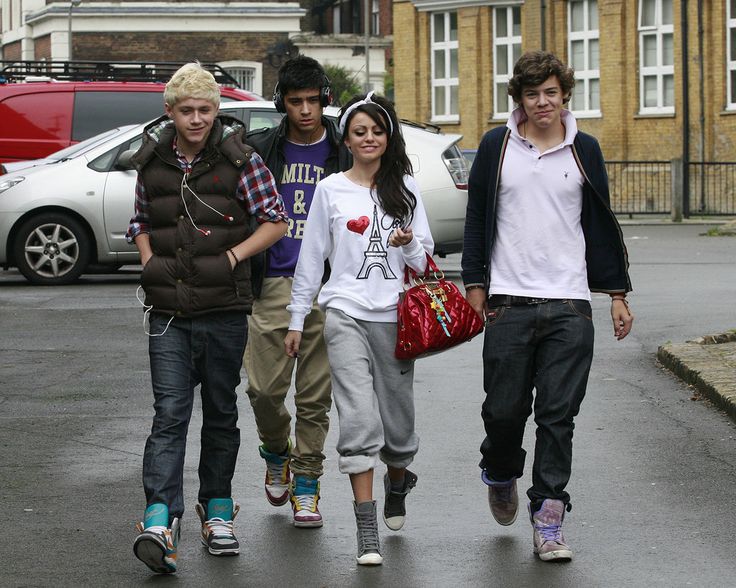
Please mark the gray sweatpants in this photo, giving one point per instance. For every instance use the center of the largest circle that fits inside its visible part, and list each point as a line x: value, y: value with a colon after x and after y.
x: 373, y: 393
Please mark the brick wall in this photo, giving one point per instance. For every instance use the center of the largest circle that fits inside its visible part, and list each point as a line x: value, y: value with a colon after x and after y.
x: 12, y: 51
x: 407, y: 59
x: 42, y: 47
x: 206, y: 47
x: 622, y: 131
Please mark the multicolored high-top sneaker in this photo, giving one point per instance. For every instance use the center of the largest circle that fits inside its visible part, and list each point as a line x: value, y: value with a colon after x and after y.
x: 217, y: 526
x: 304, y: 493
x: 549, y: 543
x: 503, y: 498
x: 156, y: 542
x: 277, y: 475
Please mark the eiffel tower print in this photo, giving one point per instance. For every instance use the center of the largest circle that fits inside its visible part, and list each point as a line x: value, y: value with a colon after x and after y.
x: 375, y: 255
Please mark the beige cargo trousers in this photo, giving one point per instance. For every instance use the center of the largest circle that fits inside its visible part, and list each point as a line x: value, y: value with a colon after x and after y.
x: 270, y: 372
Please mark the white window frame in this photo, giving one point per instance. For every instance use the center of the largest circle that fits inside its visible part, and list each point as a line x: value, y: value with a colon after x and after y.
x: 730, y: 63
x: 509, y: 41
x: 660, y: 71
x: 254, y: 66
x: 587, y: 75
x: 336, y: 11
x: 443, y: 112
x: 375, y: 17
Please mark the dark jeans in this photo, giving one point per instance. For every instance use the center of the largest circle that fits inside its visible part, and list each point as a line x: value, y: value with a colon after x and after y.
x: 205, y: 350
x: 547, y: 347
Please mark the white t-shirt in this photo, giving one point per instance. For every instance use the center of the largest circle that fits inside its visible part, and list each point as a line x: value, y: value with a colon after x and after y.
x: 347, y: 225
x: 539, y: 248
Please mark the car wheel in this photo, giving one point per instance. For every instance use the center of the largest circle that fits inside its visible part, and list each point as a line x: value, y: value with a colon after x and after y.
x: 52, y: 249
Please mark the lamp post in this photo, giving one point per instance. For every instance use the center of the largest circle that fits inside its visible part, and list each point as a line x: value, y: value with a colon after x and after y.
x: 72, y: 4
x: 367, y: 21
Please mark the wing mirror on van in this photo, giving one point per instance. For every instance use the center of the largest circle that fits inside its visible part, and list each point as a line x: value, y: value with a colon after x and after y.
x: 124, y: 161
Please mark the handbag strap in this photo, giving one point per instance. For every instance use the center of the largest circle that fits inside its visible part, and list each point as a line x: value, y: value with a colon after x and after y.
x: 431, y: 267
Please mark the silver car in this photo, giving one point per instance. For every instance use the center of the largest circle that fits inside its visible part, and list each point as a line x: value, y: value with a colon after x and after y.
x: 62, y: 214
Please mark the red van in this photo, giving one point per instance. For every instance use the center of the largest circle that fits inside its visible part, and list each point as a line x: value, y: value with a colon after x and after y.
x: 40, y: 117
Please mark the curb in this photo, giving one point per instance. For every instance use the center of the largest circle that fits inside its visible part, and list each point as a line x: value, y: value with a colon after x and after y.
x: 708, y: 363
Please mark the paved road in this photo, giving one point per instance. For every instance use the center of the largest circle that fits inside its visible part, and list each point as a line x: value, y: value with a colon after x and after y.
x: 653, y: 481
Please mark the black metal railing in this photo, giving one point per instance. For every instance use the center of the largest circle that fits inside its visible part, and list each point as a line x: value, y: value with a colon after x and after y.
x: 640, y: 187
x: 118, y: 71
x: 645, y: 187
x: 713, y: 188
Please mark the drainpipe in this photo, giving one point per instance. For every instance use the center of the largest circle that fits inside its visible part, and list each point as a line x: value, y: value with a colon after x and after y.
x: 701, y: 75
x: 367, y: 26
x: 685, y: 113
x: 543, y: 24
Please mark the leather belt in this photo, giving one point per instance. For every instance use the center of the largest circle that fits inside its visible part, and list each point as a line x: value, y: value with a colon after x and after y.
x: 504, y: 300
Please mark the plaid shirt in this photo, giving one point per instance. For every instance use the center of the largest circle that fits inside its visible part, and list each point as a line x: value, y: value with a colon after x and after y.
x: 256, y: 187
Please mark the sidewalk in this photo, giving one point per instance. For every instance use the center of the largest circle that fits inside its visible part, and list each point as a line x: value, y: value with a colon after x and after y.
x: 708, y: 364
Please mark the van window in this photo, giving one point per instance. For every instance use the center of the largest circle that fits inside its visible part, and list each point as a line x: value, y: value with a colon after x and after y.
x: 34, y: 125
x: 95, y: 112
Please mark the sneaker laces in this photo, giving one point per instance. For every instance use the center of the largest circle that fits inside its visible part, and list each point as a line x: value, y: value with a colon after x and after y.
x: 156, y: 529
x: 305, y: 501
x: 275, y: 472
x: 219, y: 527
x: 368, y: 531
x: 549, y: 532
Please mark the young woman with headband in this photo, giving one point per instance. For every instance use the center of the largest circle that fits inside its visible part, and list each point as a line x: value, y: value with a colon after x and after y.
x: 370, y: 223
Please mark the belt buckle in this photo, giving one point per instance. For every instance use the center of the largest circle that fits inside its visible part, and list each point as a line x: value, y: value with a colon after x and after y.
x: 537, y: 300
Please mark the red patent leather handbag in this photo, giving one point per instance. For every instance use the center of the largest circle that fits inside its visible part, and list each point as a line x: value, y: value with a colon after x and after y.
x: 432, y: 314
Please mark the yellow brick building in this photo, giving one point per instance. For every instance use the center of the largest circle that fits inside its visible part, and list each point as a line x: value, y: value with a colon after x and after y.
x: 452, y: 58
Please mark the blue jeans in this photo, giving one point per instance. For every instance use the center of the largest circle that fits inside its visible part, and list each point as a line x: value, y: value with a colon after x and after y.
x: 547, y: 347
x: 206, y: 350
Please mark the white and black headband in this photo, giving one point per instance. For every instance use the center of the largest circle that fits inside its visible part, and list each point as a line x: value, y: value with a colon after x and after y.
x: 367, y: 100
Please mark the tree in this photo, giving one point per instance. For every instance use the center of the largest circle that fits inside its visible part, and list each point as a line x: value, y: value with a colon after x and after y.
x: 343, y: 83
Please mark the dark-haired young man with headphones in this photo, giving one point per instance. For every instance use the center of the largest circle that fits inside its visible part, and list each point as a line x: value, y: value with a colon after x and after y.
x: 300, y: 152
x: 540, y: 236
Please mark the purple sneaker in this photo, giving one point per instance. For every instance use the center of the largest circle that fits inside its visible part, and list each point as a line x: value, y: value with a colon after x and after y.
x: 549, y: 542
x: 503, y: 499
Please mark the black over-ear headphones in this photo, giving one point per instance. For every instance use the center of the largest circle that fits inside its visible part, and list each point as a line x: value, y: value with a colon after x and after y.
x: 325, y: 96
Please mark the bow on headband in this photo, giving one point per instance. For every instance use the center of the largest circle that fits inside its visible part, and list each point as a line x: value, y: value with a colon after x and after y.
x: 366, y: 100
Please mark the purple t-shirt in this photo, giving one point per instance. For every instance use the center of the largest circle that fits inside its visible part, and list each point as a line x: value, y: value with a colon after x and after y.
x: 303, y: 168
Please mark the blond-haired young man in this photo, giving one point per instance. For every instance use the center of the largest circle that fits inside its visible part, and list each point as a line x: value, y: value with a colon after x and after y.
x: 199, y: 188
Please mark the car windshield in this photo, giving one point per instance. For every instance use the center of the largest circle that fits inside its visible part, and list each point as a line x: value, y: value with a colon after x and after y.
x: 79, y: 148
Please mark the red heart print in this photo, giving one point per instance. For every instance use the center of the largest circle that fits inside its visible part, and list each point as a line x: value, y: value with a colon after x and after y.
x: 359, y: 225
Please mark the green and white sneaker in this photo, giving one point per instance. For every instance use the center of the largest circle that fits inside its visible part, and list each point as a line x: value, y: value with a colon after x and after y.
x: 217, y: 526
x: 156, y: 542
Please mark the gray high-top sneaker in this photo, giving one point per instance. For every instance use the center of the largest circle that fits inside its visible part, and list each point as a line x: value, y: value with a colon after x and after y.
x: 549, y: 543
x: 369, y: 546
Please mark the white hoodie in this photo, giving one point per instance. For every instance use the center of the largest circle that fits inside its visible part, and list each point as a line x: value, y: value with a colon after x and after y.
x: 347, y: 225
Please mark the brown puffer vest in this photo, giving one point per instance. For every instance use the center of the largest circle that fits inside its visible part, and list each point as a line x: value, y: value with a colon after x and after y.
x: 189, y: 273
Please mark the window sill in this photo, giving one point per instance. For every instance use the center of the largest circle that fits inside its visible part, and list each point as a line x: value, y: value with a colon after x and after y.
x: 587, y: 114
x: 655, y: 115
x: 444, y: 121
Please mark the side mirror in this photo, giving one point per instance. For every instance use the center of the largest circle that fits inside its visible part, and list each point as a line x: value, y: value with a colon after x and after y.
x: 124, y: 161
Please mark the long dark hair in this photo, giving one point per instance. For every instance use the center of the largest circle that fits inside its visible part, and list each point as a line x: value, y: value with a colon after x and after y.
x: 393, y: 195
